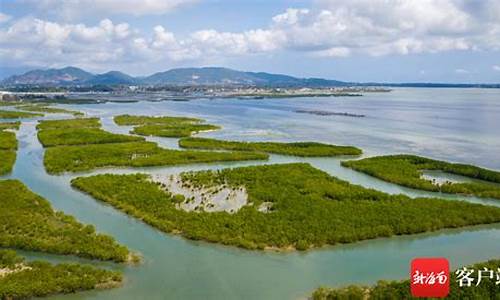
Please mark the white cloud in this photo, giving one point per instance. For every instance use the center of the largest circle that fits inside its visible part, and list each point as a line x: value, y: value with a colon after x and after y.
x: 37, y: 42
x: 496, y: 68
x: 382, y: 27
x: 329, y: 28
x: 4, y: 17
x: 461, y: 71
x: 76, y: 8
x: 334, y: 52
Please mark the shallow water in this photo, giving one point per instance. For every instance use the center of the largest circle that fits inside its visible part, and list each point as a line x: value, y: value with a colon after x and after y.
x: 453, y: 124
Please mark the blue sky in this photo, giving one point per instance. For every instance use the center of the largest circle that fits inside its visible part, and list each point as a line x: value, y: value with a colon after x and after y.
x: 351, y: 40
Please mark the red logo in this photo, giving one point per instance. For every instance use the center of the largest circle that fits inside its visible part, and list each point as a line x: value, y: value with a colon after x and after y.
x: 430, y: 277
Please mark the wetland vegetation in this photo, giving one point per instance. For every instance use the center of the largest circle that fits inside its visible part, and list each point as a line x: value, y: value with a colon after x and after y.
x: 78, y: 132
x: 401, y: 289
x: 142, y: 120
x: 164, y: 126
x: 296, y: 149
x: 179, y: 130
x: 309, y: 208
x: 10, y: 125
x: 11, y: 114
x: 44, y: 108
x: 407, y: 170
x: 82, y: 136
x: 28, y: 222
x: 8, y: 146
x: 80, y: 144
x: 69, y: 123
x: 136, y: 154
x: 20, y: 279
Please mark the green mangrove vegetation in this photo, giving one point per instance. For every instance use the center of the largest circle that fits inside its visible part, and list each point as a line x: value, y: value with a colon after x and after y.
x: 406, y: 170
x: 43, y: 108
x: 79, y: 145
x: 81, y: 136
x: 164, y: 126
x: 28, y: 222
x: 10, y: 125
x: 142, y: 120
x: 296, y: 149
x: 10, y: 114
x: 78, y: 132
x: 487, y: 289
x: 8, y: 147
x: 7, y: 160
x: 179, y: 130
x: 69, y: 123
x: 308, y: 208
x: 8, y: 140
x: 135, y: 154
x: 20, y: 279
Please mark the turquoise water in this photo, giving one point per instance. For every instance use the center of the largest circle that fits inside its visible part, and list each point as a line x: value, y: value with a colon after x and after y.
x: 453, y: 124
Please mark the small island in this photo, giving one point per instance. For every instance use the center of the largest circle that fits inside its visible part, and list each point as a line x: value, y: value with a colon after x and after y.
x: 44, y: 108
x: 80, y: 145
x: 164, y: 126
x: 282, y: 207
x: 11, y: 114
x: 328, y: 113
x: 20, y: 279
x: 295, y: 149
x: 8, y: 146
x: 408, y: 170
x: 78, y: 132
x: 28, y: 222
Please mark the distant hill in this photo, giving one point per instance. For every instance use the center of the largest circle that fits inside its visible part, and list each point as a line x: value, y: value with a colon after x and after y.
x: 112, y: 78
x: 64, y: 76
x: 224, y: 76
x: 71, y: 76
x: 180, y: 76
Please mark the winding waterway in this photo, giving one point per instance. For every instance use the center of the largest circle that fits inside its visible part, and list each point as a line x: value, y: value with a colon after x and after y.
x: 454, y: 124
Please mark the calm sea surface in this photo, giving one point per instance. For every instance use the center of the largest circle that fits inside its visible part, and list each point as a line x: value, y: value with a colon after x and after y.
x: 461, y: 125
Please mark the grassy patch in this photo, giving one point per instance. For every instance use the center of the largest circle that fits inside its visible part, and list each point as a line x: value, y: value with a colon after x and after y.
x: 309, y: 208
x: 8, y: 140
x: 487, y: 289
x: 78, y: 132
x: 296, y: 149
x: 7, y: 160
x: 10, y: 125
x: 46, y: 109
x: 180, y: 130
x: 8, y: 147
x: 82, y: 145
x: 28, y: 222
x: 7, y: 114
x: 38, y: 279
x: 81, y: 136
x: 406, y: 170
x: 143, y: 120
x: 136, y: 154
x: 164, y: 126
x: 69, y: 123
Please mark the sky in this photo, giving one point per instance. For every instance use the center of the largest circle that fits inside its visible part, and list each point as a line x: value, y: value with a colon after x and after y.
x: 454, y: 41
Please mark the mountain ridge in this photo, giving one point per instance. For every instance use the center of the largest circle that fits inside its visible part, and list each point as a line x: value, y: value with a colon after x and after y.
x: 73, y: 76
x: 177, y: 76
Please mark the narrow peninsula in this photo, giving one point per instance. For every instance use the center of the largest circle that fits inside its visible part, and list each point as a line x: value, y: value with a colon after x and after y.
x: 410, y: 171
